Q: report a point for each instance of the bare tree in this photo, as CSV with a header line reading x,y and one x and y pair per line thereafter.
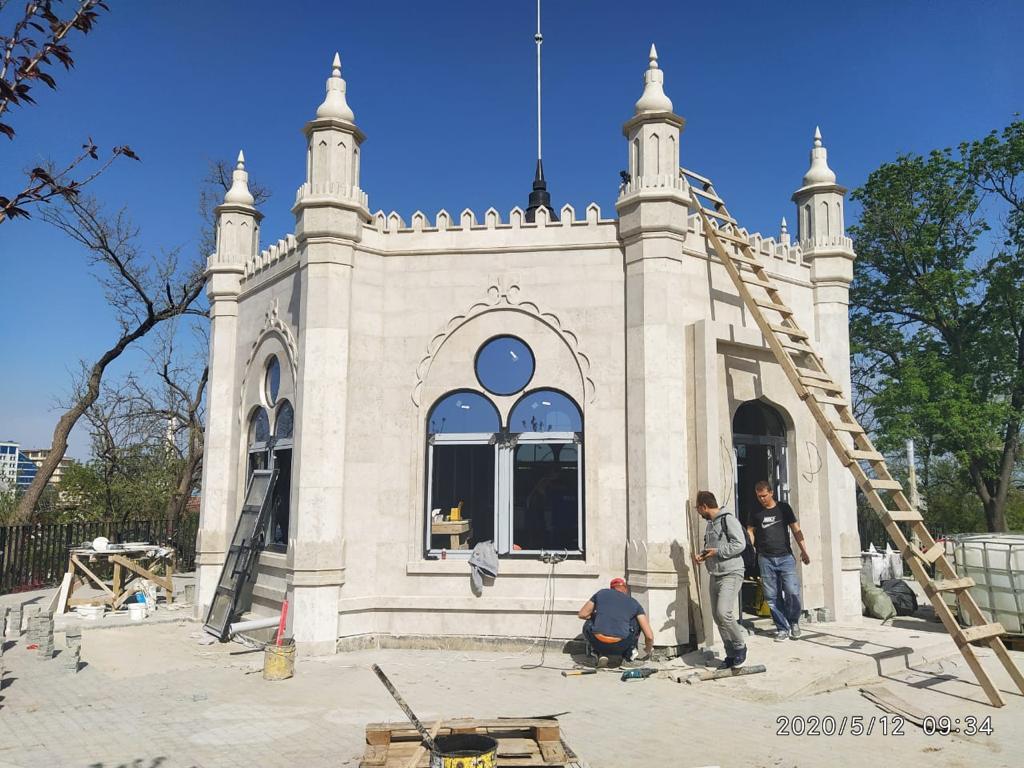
x,y
177,401
144,291
38,40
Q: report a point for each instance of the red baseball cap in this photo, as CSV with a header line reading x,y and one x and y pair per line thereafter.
x,y
617,582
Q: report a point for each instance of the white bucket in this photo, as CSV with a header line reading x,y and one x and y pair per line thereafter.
x,y
136,611
90,612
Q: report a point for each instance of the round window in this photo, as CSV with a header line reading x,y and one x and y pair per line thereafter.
x,y
272,385
504,365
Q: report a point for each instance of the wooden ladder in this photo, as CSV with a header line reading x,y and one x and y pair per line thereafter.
x,y
792,349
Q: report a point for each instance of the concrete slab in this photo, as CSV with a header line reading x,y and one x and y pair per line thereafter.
x,y
152,694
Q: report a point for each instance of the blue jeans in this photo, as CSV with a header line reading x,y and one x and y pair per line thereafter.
x,y
779,572
621,648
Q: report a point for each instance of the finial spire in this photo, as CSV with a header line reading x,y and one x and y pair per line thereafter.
x,y
239,193
784,238
539,197
819,172
653,98
334,105
784,228
539,40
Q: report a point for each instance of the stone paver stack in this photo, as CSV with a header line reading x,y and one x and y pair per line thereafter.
x,y
72,649
41,633
14,622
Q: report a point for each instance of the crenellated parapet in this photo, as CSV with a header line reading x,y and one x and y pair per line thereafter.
x,y
281,251
768,249
331,191
393,224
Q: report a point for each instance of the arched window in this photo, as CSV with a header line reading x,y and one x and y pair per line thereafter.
x,y
284,425
759,440
546,494
545,411
462,432
259,435
520,484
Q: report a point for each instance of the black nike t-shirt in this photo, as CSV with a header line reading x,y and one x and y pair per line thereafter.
x,y
771,529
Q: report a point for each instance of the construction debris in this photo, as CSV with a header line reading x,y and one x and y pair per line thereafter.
x,y
701,675
889,702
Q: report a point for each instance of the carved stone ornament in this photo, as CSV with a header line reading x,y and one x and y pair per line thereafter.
x,y
273,325
503,293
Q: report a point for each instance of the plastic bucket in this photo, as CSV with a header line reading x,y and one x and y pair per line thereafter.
x,y
279,661
465,750
136,611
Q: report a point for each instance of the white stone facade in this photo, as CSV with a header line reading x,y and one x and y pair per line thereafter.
x,y
374,319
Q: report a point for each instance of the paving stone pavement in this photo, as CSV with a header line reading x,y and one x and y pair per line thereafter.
x,y
151,696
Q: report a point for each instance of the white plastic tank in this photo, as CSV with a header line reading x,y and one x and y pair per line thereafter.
x,y
996,563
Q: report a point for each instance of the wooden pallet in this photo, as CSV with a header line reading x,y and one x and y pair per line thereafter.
x,y
792,349
524,742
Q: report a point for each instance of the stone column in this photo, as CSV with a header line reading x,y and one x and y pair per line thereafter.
x,y
330,210
237,242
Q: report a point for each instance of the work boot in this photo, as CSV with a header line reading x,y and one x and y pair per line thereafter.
x,y
602,662
728,663
781,635
794,631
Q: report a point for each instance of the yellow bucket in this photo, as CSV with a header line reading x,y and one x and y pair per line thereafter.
x,y
465,750
279,661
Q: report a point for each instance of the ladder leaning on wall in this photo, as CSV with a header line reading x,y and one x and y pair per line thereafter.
x,y
791,347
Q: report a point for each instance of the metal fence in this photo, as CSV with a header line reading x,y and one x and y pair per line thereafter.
x,y
36,556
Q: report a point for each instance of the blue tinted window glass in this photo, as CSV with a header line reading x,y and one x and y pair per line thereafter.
x,y
285,421
463,412
545,411
273,383
504,365
260,429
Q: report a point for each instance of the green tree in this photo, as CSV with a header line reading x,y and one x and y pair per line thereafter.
x,y
937,308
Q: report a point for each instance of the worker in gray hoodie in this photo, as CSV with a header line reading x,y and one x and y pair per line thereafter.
x,y
724,542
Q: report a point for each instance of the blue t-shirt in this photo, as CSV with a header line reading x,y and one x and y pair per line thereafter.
x,y
614,613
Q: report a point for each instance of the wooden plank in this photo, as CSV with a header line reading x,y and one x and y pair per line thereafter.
x,y
96,579
950,585
767,285
865,455
710,195
794,332
828,386
421,750
904,515
980,632
719,215
830,400
782,309
933,553
810,373
885,485
702,179
844,426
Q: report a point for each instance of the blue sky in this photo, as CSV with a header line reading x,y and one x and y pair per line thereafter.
x,y
445,93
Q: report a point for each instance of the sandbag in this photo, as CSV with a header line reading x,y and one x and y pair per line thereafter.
x,y
904,599
875,603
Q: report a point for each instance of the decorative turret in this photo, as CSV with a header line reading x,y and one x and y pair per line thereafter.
x,y
784,232
332,157
653,134
819,204
237,222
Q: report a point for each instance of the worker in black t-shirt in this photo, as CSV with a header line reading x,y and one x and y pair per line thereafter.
x,y
768,529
